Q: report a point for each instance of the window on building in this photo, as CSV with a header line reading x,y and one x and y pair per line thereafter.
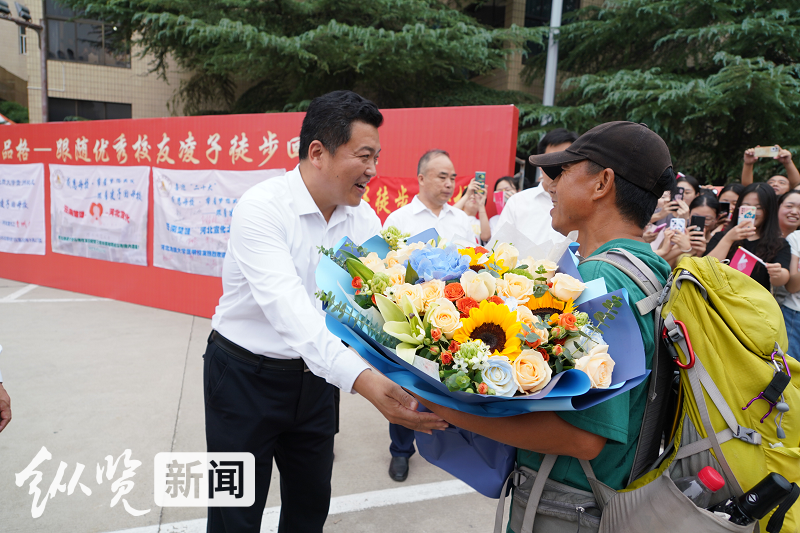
x,y
73,38
23,41
537,13
490,12
60,109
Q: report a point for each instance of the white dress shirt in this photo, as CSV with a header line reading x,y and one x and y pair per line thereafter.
x,y
529,212
415,217
268,304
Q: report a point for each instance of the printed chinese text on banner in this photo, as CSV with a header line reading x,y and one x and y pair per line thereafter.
x,y
100,212
22,229
192,215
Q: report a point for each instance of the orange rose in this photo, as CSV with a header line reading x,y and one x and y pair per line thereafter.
x,y
567,321
465,304
453,291
495,299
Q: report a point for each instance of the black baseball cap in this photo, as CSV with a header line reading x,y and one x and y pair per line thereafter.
x,y
633,151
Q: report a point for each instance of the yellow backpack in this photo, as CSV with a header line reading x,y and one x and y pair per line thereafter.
x,y
729,338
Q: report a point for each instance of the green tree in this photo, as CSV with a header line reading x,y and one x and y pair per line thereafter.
x,y
14,111
276,55
712,78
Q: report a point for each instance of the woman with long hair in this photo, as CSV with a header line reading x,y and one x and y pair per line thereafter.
x,y
789,296
691,187
761,237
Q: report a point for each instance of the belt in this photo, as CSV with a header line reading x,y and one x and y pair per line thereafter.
x,y
242,354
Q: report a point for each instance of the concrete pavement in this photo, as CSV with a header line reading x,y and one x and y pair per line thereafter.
x,y
91,378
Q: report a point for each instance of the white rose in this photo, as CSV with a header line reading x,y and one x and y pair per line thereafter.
x,y
431,291
397,274
549,266
515,286
508,254
598,365
531,371
565,287
445,316
414,293
373,262
478,286
499,375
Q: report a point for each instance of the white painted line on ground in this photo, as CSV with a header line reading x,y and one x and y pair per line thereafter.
x,y
14,295
352,503
52,300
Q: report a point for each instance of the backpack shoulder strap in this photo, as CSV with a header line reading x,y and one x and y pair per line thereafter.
x,y
662,372
638,271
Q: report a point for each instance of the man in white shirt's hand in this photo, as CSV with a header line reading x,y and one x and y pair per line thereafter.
x,y
271,364
5,408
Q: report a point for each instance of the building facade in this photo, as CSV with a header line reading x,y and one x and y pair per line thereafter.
x,y
87,75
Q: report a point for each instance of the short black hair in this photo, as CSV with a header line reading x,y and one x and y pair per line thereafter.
x,y
705,199
555,137
330,118
509,179
692,181
427,156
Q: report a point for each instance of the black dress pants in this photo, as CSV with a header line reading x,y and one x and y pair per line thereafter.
x,y
271,412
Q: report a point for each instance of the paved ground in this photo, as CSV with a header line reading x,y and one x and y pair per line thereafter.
x,y
90,378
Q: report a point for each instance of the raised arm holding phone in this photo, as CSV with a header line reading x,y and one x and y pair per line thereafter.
x,y
781,184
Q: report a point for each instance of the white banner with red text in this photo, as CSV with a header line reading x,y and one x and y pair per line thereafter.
x,y
100,212
192,212
22,229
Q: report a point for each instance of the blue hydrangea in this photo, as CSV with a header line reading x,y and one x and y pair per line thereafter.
x,y
434,263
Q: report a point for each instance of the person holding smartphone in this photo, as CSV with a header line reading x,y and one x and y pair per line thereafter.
x,y
691,187
473,203
761,236
705,214
781,184
507,188
789,296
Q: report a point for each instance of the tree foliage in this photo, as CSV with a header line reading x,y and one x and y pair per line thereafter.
x,y
14,111
276,55
712,78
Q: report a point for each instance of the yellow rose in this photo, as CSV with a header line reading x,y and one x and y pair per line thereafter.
x,y
392,259
549,266
445,316
598,365
431,291
414,293
373,262
515,286
566,287
508,254
397,274
531,371
478,286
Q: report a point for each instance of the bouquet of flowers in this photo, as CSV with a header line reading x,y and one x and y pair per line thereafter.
x,y
471,327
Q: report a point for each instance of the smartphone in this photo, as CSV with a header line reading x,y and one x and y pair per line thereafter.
x,y
664,225
499,200
678,195
725,207
766,151
677,224
480,178
747,212
698,221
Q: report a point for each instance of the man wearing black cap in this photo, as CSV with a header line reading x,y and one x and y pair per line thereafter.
x,y
605,186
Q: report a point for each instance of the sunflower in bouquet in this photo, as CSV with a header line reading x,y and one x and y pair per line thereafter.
x,y
493,324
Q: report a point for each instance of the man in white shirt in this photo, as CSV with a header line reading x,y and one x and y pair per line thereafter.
x,y
529,211
436,176
271,364
429,209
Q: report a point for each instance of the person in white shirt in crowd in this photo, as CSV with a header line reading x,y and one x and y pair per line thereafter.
x,y
271,364
506,184
5,404
789,295
529,210
436,176
473,203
